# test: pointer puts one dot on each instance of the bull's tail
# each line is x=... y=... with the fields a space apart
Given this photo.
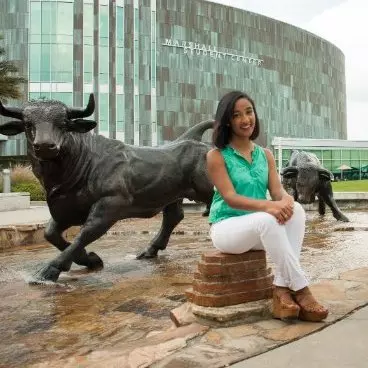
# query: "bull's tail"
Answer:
x=197 y=131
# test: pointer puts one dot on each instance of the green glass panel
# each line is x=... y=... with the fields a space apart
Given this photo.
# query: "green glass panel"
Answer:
x=88 y=20
x=354 y=163
x=88 y=77
x=104 y=21
x=345 y=155
x=88 y=58
x=327 y=155
x=35 y=21
x=355 y=154
x=35 y=62
x=120 y=112
x=64 y=16
x=66 y=97
x=120 y=65
x=328 y=165
x=104 y=111
x=62 y=63
x=285 y=153
x=336 y=154
x=46 y=17
x=104 y=78
x=34 y=96
x=45 y=62
x=364 y=154
x=120 y=23
x=104 y=60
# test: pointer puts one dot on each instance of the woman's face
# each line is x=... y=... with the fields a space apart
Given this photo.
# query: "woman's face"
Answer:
x=243 y=119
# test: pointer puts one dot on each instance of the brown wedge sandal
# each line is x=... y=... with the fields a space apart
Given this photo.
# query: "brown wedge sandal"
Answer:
x=284 y=307
x=310 y=309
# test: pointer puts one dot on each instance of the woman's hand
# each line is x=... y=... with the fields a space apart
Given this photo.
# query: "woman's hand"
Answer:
x=282 y=209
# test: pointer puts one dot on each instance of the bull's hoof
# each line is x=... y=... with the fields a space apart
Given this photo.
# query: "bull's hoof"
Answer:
x=343 y=219
x=94 y=261
x=91 y=260
x=147 y=254
x=47 y=273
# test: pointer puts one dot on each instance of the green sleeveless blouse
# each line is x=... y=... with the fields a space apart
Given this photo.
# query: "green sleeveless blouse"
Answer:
x=249 y=180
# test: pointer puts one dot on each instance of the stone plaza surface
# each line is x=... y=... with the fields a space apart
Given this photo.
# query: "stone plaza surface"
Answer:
x=120 y=316
x=343 y=344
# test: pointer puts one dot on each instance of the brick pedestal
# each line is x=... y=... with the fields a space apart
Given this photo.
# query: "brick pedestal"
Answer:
x=228 y=279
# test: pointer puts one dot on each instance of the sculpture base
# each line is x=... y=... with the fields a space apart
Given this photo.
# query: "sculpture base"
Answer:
x=224 y=280
x=232 y=314
x=222 y=316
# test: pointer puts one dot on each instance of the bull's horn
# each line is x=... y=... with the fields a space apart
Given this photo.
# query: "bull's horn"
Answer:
x=11 y=112
x=75 y=113
x=325 y=173
x=290 y=170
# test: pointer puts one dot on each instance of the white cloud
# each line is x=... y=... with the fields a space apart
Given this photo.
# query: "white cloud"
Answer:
x=346 y=26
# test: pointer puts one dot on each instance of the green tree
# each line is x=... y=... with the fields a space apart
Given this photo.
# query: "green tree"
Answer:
x=9 y=80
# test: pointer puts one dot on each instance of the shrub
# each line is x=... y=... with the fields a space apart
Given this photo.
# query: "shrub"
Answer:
x=23 y=180
x=35 y=190
x=22 y=174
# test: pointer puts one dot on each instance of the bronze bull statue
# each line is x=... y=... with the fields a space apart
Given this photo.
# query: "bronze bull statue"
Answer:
x=94 y=181
x=304 y=178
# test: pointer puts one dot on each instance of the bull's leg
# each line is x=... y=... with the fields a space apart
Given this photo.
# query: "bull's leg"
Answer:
x=206 y=212
x=101 y=217
x=326 y=194
x=172 y=214
x=335 y=210
x=321 y=206
x=53 y=234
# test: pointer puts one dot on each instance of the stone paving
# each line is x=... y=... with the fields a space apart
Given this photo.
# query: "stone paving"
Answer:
x=197 y=345
x=120 y=317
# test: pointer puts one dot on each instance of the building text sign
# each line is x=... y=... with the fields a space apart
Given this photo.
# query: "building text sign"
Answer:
x=194 y=48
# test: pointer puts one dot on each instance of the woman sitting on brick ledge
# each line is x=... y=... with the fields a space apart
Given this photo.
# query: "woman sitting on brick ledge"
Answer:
x=241 y=217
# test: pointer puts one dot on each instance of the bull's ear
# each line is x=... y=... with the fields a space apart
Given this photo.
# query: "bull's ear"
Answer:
x=81 y=125
x=324 y=174
x=289 y=172
x=12 y=127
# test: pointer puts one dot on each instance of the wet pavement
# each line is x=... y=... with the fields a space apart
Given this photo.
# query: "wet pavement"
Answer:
x=130 y=300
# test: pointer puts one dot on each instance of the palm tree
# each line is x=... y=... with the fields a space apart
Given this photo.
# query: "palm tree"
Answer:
x=9 y=81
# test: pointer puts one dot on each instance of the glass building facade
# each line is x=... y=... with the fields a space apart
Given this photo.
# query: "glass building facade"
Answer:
x=345 y=159
x=157 y=67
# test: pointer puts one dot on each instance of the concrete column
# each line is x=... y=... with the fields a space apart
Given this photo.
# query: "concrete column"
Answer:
x=279 y=158
x=6 y=181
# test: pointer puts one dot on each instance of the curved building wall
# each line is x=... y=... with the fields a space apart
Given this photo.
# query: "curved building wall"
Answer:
x=157 y=67
x=296 y=79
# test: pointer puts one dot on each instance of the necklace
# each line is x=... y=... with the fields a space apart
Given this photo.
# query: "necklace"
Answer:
x=247 y=155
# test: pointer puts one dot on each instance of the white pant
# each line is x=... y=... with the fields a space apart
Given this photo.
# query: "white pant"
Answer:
x=261 y=231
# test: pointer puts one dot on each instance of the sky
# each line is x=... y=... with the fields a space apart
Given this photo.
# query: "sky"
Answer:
x=342 y=22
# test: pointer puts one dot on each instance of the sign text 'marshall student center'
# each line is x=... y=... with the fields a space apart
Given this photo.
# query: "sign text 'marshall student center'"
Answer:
x=194 y=48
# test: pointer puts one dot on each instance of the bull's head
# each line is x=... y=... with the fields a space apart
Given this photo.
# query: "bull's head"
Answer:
x=305 y=181
x=46 y=123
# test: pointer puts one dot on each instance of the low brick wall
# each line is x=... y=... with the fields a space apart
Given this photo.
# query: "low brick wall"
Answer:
x=13 y=236
x=229 y=279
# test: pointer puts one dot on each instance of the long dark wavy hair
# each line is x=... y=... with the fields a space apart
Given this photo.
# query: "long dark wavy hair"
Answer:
x=222 y=131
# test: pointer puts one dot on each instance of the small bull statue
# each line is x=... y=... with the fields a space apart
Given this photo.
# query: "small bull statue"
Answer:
x=304 y=178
